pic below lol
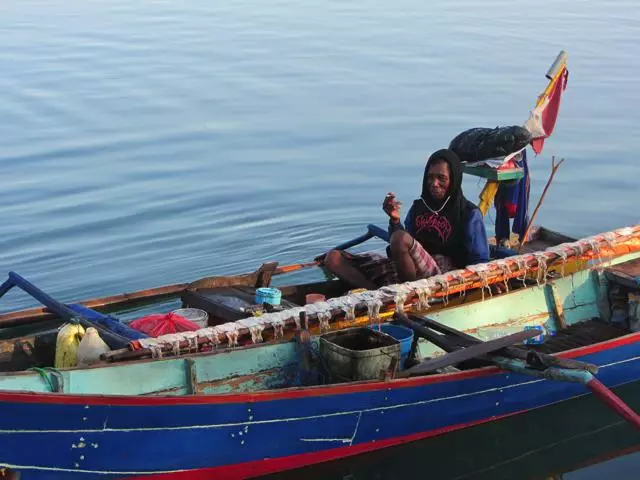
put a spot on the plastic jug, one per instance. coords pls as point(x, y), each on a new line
point(90, 348)
point(67, 342)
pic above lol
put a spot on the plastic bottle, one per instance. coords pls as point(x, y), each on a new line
point(90, 348)
point(492, 333)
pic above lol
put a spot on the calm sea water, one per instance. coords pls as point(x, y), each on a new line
point(153, 142)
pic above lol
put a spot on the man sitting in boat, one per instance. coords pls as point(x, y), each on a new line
point(442, 231)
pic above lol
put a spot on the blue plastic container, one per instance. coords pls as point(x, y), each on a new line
point(268, 295)
point(404, 335)
point(535, 340)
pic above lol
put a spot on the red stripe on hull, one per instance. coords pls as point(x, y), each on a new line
point(132, 400)
point(275, 465)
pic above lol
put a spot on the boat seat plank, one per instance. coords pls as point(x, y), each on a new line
point(543, 238)
point(224, 304)
point(626, 274)
point(580, 335)
point(468, 353)
point(589, 332)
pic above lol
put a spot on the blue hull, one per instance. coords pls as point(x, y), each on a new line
point(73, 436)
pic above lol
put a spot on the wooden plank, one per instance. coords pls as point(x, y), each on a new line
point(218, 312)
point(192, 376)
point(630, 268)
point(440, 327)
point(468, 353)
point(556, 306)
point(508, 351)
point(627, 273)
point(448, 339)
point(551, 237)
point(223, 303)
point(264, 274)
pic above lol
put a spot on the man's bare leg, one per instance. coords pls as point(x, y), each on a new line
point(401, 242)
point(335, 262)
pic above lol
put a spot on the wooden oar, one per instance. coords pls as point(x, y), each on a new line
point(115, 340)
point(372, 231)
point(32, 315)
point(584, 377)
point(459, 339)
point(441, 337)
point(535, 364)
point(468, 353)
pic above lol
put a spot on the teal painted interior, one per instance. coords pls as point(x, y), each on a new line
point(275, 365)
point(578, 293)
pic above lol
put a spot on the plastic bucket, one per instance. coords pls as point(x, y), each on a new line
point(195, 315)
point(314, 297)
point(404, 335)
point(268, 295)
point(357, 353)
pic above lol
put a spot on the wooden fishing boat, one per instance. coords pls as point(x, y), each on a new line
point(42, 323)
point(251, 396)
point(243, 401)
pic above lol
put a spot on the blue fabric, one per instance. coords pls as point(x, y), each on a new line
point(476, 242)
point(521, 219)
point(476, 239)
point(108, 322)
point(508, 196)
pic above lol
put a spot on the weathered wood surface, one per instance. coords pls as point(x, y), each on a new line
point(456, 339)
point(627, 274)
point(463, 354)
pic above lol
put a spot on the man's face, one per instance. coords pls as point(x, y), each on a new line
point(438, 180)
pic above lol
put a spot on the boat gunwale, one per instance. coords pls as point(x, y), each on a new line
point(292, 392)
point(125, 299)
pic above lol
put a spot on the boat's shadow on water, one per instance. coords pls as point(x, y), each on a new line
point(541, 444)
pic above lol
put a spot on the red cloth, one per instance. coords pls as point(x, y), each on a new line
point(162, 324)
point(549, 111)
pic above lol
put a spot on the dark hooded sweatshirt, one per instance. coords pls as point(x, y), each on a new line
point(457, 231)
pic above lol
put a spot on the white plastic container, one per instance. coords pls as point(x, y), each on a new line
point(195, 315)
point(90, 348)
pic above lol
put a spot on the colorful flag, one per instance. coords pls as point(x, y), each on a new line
point(542, 119)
